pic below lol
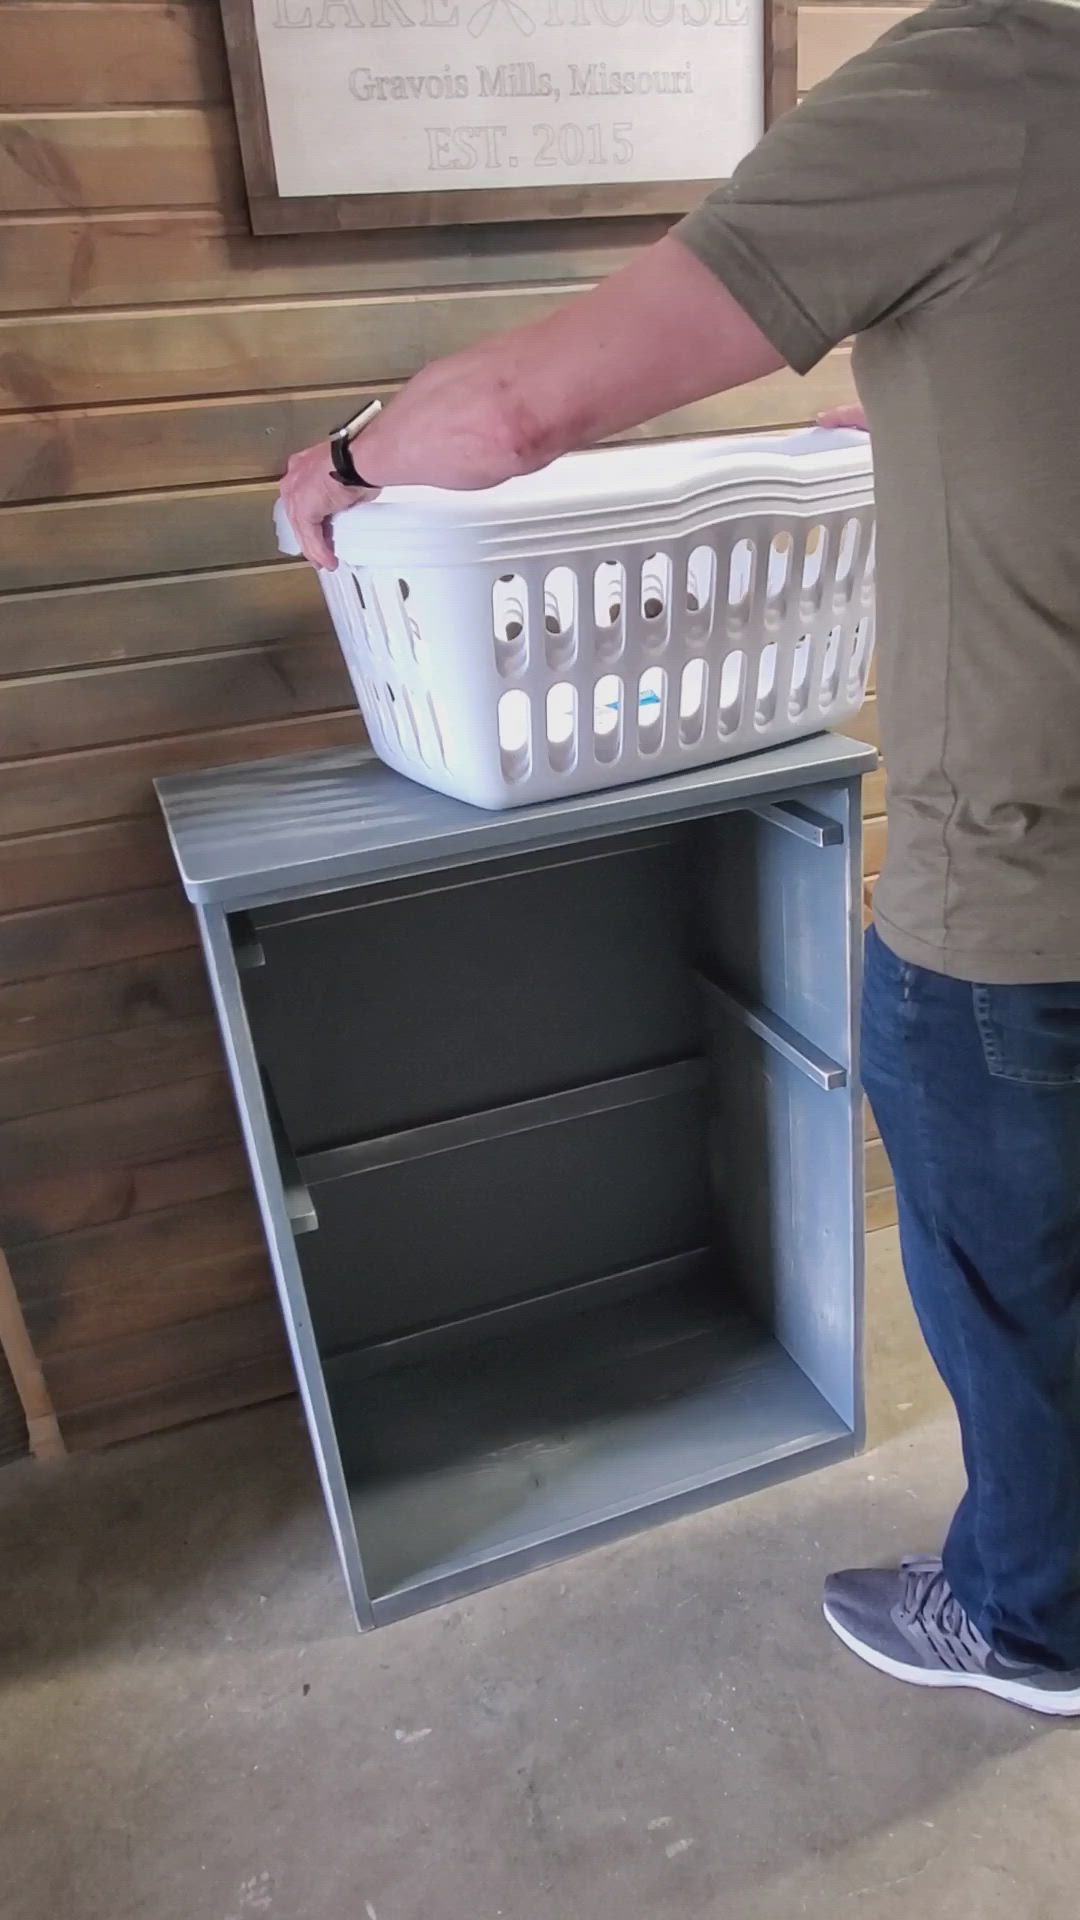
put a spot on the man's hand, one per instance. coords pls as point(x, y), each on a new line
point(311, 492)
point(844, 417)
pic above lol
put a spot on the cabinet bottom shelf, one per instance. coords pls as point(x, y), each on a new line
point(478, 1462)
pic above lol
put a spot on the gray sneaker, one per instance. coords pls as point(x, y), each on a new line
point(909, 1624)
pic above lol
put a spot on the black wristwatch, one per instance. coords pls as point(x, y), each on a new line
point(341, 445)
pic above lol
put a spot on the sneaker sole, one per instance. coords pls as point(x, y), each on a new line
point(1014, 1692)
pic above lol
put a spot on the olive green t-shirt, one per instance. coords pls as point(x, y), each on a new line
point(927, 199)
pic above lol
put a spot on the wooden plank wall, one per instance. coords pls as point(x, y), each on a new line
point(157, 364)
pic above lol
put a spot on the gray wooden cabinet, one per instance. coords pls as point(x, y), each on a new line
point(554, 1125)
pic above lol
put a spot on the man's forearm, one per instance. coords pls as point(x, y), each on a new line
point(658, 335)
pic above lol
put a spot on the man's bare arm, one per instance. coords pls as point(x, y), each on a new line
point(656, 336)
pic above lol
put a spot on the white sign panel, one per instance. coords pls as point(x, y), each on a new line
point(407, 96)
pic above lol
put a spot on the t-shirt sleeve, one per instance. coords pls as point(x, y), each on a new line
point(886, 188)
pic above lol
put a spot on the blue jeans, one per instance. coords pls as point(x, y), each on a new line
point(977, 1094)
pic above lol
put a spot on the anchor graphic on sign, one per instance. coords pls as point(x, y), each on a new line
point(519, 16)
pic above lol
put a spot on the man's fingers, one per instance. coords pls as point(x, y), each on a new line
point(853, 416)
point(312, 534)
point(315, 542)
point(311, 495)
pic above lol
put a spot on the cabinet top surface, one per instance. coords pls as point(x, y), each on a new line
point(275, 829)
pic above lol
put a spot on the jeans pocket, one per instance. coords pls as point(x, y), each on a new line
point(1030, 1035)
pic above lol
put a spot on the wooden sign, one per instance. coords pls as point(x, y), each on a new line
point(378, 113)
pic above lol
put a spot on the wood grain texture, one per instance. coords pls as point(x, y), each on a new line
point(95, 706)
point(67, 1203)
point(165, 616)
point(72, 789)
point(44, 870)
point(56, 162)
point(121, 994)
point(108, 1282)
point(106, 1064)
point(62, 453)
point(114, 1133)
point(91, 933)
point(123, 535)
point(243, 1380)
point(109, 53)
point(75, 358)
point(206, 1346)
point(116, 259)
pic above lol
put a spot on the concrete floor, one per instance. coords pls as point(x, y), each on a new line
point(192, 1731)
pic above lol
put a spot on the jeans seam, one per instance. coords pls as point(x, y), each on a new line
point(994, 1056)
point(962, 1344)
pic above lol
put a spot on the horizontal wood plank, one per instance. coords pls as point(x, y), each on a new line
point(72, 789)
point(106, 1064)
point(74, 359)
point(160, 1121)
point(68, 1203)
point(125, 1306)
point(109, 53)
point(106, 1282)
point(136, 535)
point(119, 259)
point(169, 614)
point(96, 706)
point(91, 933)
point(147, 1362)
point(47, 869)
point(127, 993)
point(59, 162)
point(242, 1382)
point(66, 452)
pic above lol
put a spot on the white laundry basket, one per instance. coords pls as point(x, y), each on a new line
point(630, 612)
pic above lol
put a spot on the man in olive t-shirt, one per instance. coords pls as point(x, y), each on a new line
point(924, 199)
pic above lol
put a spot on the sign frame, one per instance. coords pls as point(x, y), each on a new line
point(272, 212)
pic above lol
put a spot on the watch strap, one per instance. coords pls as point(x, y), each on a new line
point(341, 439)
point(344, 467)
